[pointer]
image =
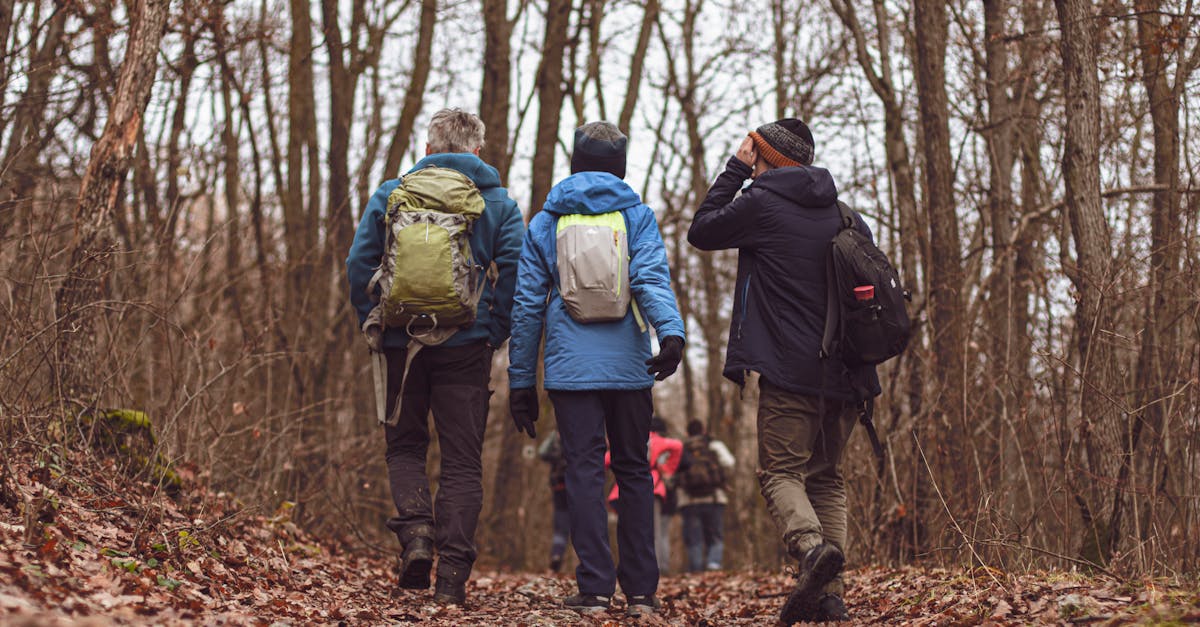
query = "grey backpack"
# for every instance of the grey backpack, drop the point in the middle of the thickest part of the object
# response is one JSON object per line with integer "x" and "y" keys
{"x": 593, "y": 266}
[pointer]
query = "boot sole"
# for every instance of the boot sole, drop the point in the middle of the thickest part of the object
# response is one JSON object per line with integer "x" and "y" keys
{"x": 802, "y": 603}
{"x": 416, "y": 573}
{"x": 640, "y": 611}
{"x": 586, "y": 609}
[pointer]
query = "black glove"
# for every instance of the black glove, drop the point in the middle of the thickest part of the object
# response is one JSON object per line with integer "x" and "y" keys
{"x": 670, "y": 351}
{"x": 523, "y": 405}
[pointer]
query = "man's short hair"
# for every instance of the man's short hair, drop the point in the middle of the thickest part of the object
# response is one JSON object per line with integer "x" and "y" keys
{"x": 455, "y": 130}
{"x": 695, "y": 427}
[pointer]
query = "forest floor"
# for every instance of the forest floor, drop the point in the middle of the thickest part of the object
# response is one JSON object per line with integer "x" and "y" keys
{"x": 96, "y": 548}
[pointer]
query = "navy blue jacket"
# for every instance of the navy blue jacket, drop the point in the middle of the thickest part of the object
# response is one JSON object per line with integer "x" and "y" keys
{"x": 495, "y": 238}
{"x": 781, "y": 225}
{"x": 595, "y": 355}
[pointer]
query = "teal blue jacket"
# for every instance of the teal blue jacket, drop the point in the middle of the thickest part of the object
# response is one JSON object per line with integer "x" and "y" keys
{"x": 495, "y": 238}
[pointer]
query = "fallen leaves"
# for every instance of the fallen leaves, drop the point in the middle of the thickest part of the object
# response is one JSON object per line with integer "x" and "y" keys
{"x": 142, "y": 557}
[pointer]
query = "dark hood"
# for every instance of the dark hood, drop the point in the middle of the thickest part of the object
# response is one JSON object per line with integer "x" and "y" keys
{"x": 807, "y": 186}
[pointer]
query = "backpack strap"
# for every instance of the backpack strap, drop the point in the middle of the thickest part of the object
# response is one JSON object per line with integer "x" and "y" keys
{"x": 847, "y": 215}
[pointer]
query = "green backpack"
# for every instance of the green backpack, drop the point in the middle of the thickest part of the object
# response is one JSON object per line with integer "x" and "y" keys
{"x": 429, "y": 283}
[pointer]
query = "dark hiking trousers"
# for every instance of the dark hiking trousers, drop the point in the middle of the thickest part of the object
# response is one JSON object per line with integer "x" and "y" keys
{"x": 584, "y": 418}
{"x": 453, "y": 382}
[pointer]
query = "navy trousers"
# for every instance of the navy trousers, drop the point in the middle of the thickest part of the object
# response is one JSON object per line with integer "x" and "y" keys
{"x": 584, "y": 419}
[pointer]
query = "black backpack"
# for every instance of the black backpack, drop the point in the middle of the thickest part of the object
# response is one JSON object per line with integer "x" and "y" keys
{"x": 704, "y": 474}
{"x": 862, "y": 331}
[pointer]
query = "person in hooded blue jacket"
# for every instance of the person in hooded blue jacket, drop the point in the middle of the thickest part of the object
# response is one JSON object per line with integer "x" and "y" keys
{"x": 782, "y": 225}
{"x": 451, "y": 378}
{"x": 598, "y": 374}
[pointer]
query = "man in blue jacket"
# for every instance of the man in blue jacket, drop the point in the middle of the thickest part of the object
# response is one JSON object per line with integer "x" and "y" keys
{"x": 596, "y": 372}
{"x": 782, "y": 225}
{"x": 451, "y": 378}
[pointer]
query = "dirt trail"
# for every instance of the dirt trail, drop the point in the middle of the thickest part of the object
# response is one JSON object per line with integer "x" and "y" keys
{"x": 106, "y": 550}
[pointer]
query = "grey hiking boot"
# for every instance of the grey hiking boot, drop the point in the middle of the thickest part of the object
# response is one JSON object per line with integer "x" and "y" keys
{"x": 642, "y": 605}
{"x": 417, "y": 560}
{"x": 820, "y": 565}
{"x": 587, "y": 603}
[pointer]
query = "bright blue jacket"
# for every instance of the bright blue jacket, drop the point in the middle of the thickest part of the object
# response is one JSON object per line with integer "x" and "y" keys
{"x": 495, "y": 238}
{"x": 596, "y": 355}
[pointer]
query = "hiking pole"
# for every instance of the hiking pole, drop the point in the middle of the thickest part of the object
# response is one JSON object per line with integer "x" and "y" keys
{"x": 865, "y": 417}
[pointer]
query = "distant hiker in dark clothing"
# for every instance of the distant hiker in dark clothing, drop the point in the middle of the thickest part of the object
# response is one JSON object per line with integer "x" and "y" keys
{"x": 707, "y": 464}
{"x": 550, "y": 451}
{"x": 451, "y": 361}
{"x": 593, "y": 273}
{"x": 782, "y": 225}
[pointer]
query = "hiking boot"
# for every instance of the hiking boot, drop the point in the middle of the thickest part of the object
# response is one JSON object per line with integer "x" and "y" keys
{"x": 556, "y": 563}
{"x": 417, "y": 560}
{"x": 587, "y": 603}
{"x": 447, "y": 592}
{"x": 642, "y": 605}
{"x": 831, "y": 609}
{"x": 820, "y": 565}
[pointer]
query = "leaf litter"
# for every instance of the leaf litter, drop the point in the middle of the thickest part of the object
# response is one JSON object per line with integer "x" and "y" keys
{"x": 201, "y": 557}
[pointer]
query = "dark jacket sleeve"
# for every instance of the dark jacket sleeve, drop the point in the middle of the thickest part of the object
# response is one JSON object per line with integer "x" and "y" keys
{"x": 723, "y": 221}
{"x": 506, "y": 254}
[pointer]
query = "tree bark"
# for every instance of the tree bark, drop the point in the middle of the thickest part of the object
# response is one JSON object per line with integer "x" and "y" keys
{"x": 636, "y": 62}
{"x": 944, "y": 440}
{"x": 497, "y": 84}
{"x": 1099, "y": 433}
{"x": 550, "y": 100}
{"x": 415, "y": 96}
{"x": 77, "y": 343}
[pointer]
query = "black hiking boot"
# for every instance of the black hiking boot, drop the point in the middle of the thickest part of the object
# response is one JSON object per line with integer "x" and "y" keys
{"x": 556, "y": 563}
{"x": 447, "y": 592}
{"x": 587, "y": 603}
{"x": 820, "y": 565}
{"x": 642, "y": 605}
{"x": 831, "y": 609}
{"x": 417, "y": 560}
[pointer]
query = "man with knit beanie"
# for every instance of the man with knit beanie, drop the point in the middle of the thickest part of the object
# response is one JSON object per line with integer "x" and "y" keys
{"x": 782, "y": 224}
{"x": 593, "y": 273}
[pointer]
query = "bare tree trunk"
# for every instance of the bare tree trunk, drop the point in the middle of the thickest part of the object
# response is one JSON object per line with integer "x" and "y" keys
{"x": 999, "y": 312}
{"x": 78, "y": 344}
{"x": 1099, "y": 433}
{"x": 233, "y": 173}
{"x": 497, "y": 81}
{"x": 415, "y": 96}
{"x": 943, "y": 441}
{"x": 1158, "y": 368}
{"x": 17, "y": 175}
{"x": 550, "y": 100}
{"x": 636, "y": 62}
